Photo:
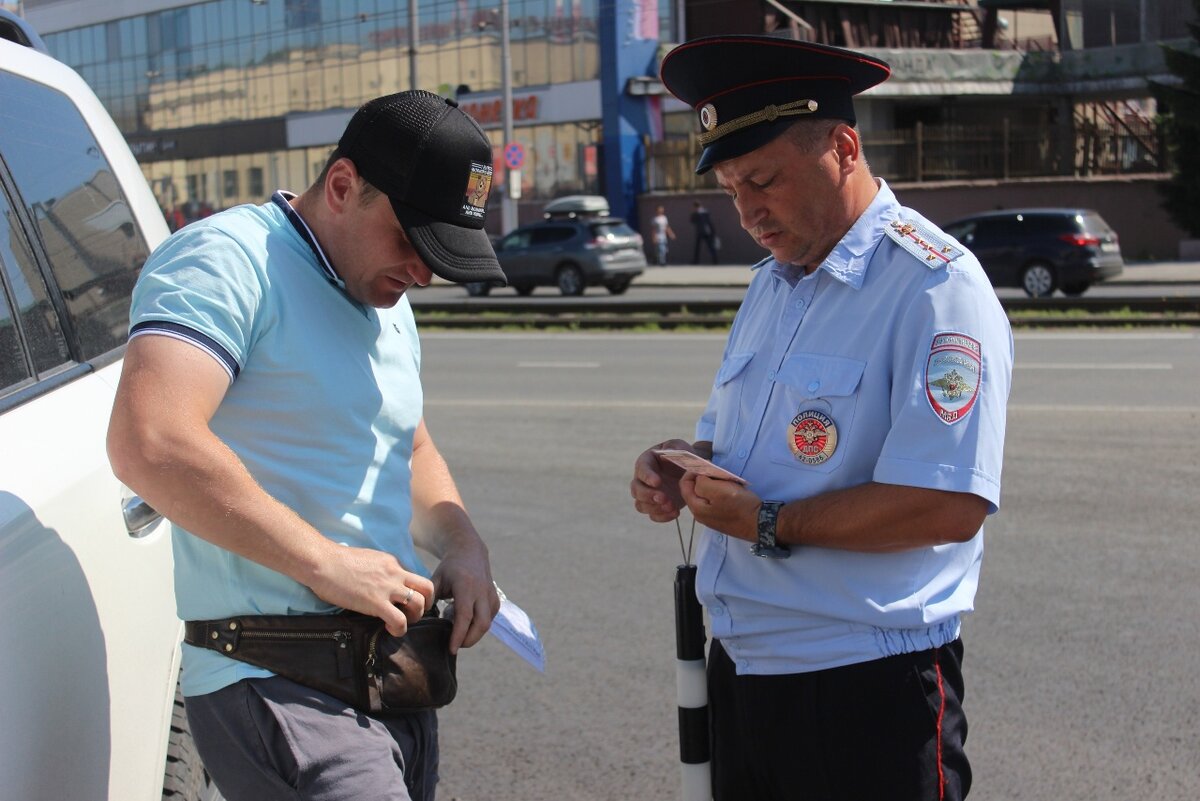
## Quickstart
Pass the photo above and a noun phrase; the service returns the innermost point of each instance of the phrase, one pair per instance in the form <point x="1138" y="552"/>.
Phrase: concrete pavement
<point x="1136" y="274"/>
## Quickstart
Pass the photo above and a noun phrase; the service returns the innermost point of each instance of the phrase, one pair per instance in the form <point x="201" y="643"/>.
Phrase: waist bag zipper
<point x="371" y="653"/>
<point x="341" y="638"/>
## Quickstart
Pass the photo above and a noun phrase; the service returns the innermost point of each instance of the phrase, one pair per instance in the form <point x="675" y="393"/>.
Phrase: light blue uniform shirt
<point x="323" y="401"/>
<point x="897" y="344"/>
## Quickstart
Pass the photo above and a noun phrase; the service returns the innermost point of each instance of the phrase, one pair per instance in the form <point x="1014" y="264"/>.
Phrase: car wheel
<point x="1038" y="280"/>
<point x="478" y="289"/>
<point x="524" y="290"/>
<point x="1075" y="290"/>
<point x="619" y="286"/>
<point x="185" y="778"/>
<point x="570" y="279"/>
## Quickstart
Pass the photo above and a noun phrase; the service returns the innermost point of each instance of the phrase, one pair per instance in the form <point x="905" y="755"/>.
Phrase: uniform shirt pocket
<point x="727" y="392"/>
<point x="811" y="413"/>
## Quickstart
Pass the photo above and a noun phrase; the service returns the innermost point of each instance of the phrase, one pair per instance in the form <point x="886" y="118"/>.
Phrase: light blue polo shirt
<point x="323" y="401"/>
<point x="890" y="363"/>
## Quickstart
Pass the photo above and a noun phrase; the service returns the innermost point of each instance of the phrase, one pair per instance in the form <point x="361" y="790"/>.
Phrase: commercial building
<point x="991" y="104"/>
<point x="223" y="101"/>
<point x="994" y="88"/>
<point x="226" y="100"/>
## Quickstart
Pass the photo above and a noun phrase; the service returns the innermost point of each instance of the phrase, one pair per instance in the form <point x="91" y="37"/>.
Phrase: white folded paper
<point x="513" y="627"/>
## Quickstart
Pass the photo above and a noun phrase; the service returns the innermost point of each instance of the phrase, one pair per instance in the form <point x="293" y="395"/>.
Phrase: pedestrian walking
<point x="662" y="235"/>
<point x="706" y="234"/>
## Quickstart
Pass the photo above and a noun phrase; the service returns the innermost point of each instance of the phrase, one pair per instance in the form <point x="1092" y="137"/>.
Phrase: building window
<point x="229" y="185"/>
<point x="254" y="179"/>
<point x="197" y="186"/>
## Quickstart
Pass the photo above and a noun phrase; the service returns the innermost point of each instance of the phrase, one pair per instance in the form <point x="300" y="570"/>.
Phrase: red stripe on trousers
<point x="941" y="714"/>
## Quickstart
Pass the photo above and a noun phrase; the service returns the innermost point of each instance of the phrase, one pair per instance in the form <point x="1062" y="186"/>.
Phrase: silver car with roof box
<point x="577" y="245"/>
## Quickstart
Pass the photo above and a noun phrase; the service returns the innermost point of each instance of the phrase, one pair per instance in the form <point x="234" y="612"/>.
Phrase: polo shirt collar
<point x="322" y="263"/>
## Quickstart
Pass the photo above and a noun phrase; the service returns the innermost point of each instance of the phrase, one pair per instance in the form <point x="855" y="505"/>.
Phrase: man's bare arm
<point x="161" y="446"/>
<point x="442" y="526"/>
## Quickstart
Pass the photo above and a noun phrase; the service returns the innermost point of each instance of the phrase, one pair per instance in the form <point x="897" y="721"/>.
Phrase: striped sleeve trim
<point x="192" y="336"/>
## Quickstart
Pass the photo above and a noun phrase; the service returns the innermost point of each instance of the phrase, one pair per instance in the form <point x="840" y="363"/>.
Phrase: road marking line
<point x="574" y="336"/>
<point x="1103" y="335"/>
<point x="544" y="403"/>
<point x="677" y="335"/>
<point x="1094" y="366"/>
<point x="1042" y="408"/>
<point x="566" y="365"/>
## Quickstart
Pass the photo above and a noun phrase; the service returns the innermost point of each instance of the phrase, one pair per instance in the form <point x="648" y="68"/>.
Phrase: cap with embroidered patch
<point x="747" y="90"/>
<point x="434" y="163"/>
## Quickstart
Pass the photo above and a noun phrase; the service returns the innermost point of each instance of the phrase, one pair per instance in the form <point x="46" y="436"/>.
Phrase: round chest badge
<point x="812" y="436"/>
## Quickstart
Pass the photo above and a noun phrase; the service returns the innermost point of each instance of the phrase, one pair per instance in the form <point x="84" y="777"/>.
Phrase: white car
<point x="89" y="640"/>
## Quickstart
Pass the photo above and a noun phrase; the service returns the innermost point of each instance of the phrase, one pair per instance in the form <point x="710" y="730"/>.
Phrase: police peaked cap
<point x="747" y="90"/>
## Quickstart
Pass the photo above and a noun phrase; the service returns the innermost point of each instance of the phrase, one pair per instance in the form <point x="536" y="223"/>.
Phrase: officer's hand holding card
<point x="693" y="463"/>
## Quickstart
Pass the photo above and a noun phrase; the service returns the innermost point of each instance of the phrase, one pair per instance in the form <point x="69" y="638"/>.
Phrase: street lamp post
<point x="412" y="43"/>
<point x="508" y="203"/>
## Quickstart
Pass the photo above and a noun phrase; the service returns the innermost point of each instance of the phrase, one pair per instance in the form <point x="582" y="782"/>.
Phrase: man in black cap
<point x="862" y="397"/>
<point x="270" y="407"/>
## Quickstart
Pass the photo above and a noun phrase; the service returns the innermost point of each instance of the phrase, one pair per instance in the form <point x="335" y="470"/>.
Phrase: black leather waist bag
<point x="349" y="656"/>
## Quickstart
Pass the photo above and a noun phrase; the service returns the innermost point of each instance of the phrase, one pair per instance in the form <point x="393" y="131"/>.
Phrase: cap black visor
<point x="461" y="255"/>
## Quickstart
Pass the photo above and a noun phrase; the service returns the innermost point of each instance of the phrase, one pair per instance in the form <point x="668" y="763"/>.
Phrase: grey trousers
<point x="266" y="739"/>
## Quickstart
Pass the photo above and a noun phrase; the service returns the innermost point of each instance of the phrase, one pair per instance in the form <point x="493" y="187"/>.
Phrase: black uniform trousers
<point x="891" y="729"/>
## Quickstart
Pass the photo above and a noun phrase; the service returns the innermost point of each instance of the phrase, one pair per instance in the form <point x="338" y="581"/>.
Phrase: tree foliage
<point x="1180" y="106"/>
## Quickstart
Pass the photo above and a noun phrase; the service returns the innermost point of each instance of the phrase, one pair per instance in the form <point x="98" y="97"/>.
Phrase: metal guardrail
<point x="581" y="313"/>
<point x="554" y="305"/>
<point x="1145" y="305"/>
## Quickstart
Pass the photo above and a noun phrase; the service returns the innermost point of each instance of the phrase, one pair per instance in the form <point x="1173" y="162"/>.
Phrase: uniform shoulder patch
<point x="923" y="242"/>
<point x="952" y="374"/>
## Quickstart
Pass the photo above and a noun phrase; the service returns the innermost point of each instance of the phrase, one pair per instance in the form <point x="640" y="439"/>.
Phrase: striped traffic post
<point x="691" y="688"/>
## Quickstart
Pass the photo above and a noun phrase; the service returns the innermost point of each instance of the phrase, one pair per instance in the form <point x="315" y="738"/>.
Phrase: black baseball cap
<point x="747" y="90"/>
<point x="434" y="163"/>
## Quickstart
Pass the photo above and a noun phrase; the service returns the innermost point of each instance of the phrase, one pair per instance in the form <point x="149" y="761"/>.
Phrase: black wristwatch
<point x="766" y="547"/>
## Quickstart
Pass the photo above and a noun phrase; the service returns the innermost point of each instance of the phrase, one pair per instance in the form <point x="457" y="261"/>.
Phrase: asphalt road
<point x="1080" y="661"/>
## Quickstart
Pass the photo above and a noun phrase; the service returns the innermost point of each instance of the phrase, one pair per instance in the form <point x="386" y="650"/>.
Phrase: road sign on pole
<point x="514" y="155"/>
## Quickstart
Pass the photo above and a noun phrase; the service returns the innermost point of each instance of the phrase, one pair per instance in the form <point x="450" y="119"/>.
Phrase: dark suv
<point x="571" y="253"/>
<point x="1041" y="250"/>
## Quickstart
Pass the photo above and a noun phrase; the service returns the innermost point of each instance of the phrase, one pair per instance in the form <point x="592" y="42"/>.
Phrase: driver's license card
<point x="697" y="464"/>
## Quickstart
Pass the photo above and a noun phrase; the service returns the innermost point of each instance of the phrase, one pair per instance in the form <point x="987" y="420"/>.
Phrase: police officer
<point x="862" y="396"/>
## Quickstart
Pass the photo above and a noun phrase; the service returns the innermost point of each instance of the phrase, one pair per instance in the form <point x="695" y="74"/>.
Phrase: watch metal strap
<point x="767" y="547"/>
